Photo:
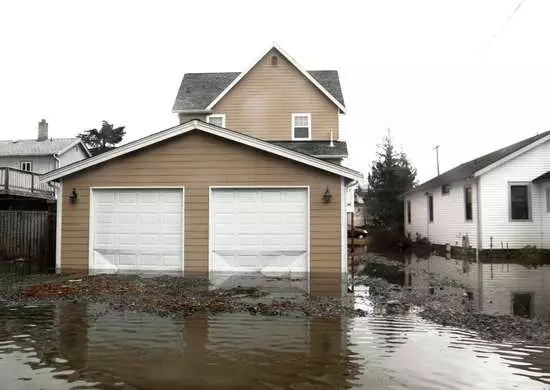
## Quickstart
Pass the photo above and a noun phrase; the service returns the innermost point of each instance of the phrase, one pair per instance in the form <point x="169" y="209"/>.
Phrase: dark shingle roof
<point x="543" y="177"/>
<point x="468" y="169"/>
<point x="32" y="147"/>
<point x="198" y="90"/>
<point x="316" y="148"/>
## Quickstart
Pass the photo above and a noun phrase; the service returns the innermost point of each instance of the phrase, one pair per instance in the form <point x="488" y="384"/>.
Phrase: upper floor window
<point x="216" y="119"/>
<point x="301" y="127"/>
<point x="520" y="202"/>
<point x="431" y="207"/>
<point x="26" y="166"/>
<point x="468" y="211"/>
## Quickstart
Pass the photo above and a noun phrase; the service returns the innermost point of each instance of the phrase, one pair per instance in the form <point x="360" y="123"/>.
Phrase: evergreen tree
<point x="102" y="140"/>
<point x="392" y="174"/>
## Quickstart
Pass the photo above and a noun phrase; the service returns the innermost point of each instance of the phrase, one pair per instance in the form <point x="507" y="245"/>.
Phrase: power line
<point x="464" y="70"/>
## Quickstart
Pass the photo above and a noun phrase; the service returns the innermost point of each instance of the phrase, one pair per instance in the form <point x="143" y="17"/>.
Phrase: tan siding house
<point x="231" y="190"/>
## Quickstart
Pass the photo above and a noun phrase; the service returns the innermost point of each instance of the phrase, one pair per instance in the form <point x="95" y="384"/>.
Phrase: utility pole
<point x="437" y="157"/>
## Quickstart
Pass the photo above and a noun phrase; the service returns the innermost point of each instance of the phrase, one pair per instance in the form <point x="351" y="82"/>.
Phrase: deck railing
<point x="18" y="182"/>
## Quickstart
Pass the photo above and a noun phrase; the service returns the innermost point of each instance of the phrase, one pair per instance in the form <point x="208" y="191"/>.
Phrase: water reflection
<point x="510" y="289"/>
<point x="92" y="346"/>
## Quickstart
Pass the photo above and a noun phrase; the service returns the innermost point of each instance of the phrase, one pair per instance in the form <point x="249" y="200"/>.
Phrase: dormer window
<point x="216" y="119"/>
<point x="301" y="127"/>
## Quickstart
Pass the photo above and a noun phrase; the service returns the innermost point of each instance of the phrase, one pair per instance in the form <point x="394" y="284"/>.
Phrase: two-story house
<point x="249" y="181"/>
<point x="499" y="200"/>
<point x="23" y="161"/>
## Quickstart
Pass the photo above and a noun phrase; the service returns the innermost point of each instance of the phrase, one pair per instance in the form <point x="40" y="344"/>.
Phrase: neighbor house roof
<point x="482" y="164"/>
<point x="33" y="147"/>
<point x="210" y="129"/>
<point x="201" y="91"/>
<point x="543" y="177"/>
<point x="319" y="149"/>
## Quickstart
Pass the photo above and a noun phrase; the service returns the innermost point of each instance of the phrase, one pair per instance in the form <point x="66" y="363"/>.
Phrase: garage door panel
<point x="137" y="230"/>
<point x="259" y="229"/>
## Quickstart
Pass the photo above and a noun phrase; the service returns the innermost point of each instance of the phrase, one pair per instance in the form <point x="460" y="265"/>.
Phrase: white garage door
<point x="259" y="230"/>
<point x="137" y="230"/>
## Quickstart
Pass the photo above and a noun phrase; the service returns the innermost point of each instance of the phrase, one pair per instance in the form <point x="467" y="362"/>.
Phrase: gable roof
<point x="201" y="91"/>
<point x="484" y="163"/>
<point x="543" y="177"/>
<point x="210" y="129"/>
<point x="33" y="147"/>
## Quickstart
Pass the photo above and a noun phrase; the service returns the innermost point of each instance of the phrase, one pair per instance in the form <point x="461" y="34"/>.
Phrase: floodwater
<point x="83" y="346"/>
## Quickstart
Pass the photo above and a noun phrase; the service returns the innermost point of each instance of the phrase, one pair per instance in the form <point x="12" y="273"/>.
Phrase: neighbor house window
<point x="431" y="207"/>
<point x="409" y="211"/>
<point x="520" y="202"/>
<point x="26" y="166"/>
<point x="548" y="200"/>
<point x="445" y="189"/>
<point x="468" y="214"/>
<point x="301" y="126"/>
<point x="217" y="119"/>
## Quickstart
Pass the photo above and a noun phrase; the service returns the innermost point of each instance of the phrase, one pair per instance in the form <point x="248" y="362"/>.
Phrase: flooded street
<point x="84" y="346"/>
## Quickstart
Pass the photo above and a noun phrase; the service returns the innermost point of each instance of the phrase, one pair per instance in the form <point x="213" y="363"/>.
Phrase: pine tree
<point x="392" y="174"/>
<point x="104" y="139"/>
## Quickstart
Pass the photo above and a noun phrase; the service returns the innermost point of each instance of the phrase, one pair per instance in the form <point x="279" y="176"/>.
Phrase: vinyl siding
<point x="197" y="161"/>
<point x="40" y="164"/>
<point x="495" y="202"/>
<point x="449" y="224"/>
<point x="261" y="103"/>
<point x="72" y="155"/>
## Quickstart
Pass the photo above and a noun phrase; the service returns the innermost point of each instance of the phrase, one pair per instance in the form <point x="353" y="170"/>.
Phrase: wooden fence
<point x="27" y="240"/>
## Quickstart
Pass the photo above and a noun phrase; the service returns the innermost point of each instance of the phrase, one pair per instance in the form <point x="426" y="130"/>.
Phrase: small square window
<point x="445" y="189"/>
<point x="301" y="126"/>
<point x="26" y="166"/>
<point x="217" y="119"/>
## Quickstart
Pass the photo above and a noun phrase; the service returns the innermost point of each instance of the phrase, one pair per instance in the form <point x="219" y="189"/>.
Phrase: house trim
<point x="210" y="129"/>
<point x="294" y="63"/>
<point x="91" y="218"/>
<point x="344" y="228"/>
<point x="293" y="125"/>
<point x="58" y="226"/>
<point x="76" y="142"/>
<point x="511" y="156"/>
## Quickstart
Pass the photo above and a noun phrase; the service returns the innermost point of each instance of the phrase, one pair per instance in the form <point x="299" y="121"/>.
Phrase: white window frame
<point x="216" y="116"/>
<point x="294" y="115"/>
<point x="24" y="163"/>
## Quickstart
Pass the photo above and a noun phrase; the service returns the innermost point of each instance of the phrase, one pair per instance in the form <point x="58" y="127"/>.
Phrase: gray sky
<point x="77" y="63"/>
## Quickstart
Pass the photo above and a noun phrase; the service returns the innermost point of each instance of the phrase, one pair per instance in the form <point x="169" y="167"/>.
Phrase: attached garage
<point x="259" y="230"/>
<point x="136" y="230"/>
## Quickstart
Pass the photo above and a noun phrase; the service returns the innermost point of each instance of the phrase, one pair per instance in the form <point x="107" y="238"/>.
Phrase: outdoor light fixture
<point x="327" y="196"/>
<point x="73" y="197"/>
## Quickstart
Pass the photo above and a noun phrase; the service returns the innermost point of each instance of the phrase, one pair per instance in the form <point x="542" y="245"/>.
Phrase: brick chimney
<point x="42" y="130"/>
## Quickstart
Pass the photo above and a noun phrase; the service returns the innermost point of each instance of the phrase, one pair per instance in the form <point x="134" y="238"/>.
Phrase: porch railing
<point x="18" y="182"/>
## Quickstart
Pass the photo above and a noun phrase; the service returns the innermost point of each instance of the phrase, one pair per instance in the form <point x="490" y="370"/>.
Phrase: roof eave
<point x="201" y="111"/>
<point x="210" y="129"/>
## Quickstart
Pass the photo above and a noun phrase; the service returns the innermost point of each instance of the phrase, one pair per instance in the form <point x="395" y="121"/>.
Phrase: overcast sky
<point x="432" y="71"/>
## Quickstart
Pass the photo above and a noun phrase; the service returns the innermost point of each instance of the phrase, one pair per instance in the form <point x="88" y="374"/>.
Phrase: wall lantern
<point x="327" y="196"/>
<point x="73" y="197"/>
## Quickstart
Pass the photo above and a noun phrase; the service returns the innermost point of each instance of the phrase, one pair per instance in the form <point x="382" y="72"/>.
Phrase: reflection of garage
<point x="137" y="230"/>
<point x="259" y="230"/>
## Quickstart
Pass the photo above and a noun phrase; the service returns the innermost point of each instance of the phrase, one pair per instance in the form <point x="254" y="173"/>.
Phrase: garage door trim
<point x="91" y="217"/>
<point x="211" y="189"/>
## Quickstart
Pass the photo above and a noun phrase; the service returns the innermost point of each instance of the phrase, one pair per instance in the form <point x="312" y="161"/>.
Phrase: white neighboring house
<point x="504" y="195"/>
<point x="42" y="154"/>
<point x="23" y="161"/>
